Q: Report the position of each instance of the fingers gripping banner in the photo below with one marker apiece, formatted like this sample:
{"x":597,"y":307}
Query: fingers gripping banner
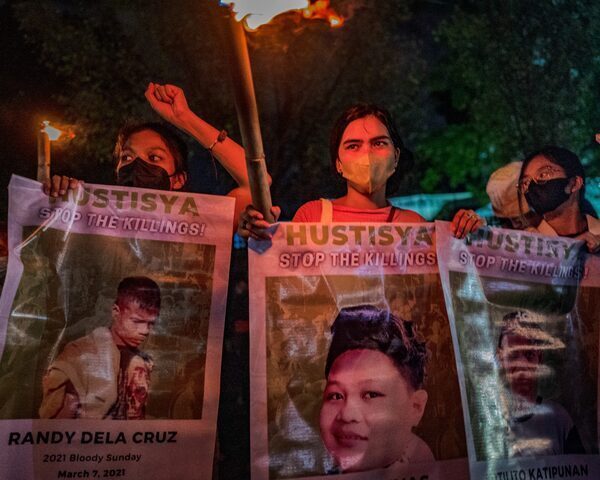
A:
{"x":352,"y":365}
{"x":113,"y":308}
{"x":524,"y":316}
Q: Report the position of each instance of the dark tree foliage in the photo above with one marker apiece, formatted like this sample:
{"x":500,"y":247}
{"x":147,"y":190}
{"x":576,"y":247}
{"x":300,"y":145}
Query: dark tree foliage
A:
{"x":509,"y":76}
{"x":104,"y":54}
{"x":305,"y":73}
{"x":519,"y":74}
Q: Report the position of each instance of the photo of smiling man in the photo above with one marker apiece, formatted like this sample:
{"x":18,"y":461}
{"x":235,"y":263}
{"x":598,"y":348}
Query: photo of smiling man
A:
{"x":374,"y":395}
{"x":104,"y":375}
{"x":360,"y":380}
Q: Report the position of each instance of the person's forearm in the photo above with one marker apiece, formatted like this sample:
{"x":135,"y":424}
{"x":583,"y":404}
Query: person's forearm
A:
{"x":229,"y":153}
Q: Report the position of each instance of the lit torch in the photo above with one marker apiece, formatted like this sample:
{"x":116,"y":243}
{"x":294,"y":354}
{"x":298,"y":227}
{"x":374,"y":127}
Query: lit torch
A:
{"x":46,"y":134}
{"x":254,"y":13}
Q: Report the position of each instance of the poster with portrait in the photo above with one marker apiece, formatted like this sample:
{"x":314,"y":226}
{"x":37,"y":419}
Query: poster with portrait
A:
{"x":351,"y":363}
{"x":113,"y":309}
{"x":524,"y":314}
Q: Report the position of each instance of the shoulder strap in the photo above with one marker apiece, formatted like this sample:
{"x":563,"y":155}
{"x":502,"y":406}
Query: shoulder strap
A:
{"x":326,"y":211}
{"x":392,"y":214}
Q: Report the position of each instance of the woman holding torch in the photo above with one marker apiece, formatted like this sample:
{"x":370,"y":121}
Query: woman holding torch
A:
{"x":366,"y":151}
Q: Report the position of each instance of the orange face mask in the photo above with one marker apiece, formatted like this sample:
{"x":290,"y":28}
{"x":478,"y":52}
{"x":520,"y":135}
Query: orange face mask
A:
{"x":368,"y":173}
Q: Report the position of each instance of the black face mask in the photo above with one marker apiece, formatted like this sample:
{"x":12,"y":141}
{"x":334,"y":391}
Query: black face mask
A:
{"x":143,"y":175}
{"x":547,"y":196}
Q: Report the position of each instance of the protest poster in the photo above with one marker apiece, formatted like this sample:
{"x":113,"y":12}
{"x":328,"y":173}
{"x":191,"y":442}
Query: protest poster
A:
{"x":113,"y":308}
{"x":524,"y":315}
{"x":324,"y":403}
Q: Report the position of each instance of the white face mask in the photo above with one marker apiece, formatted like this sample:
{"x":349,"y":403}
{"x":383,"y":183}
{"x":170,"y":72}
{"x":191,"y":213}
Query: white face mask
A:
{"x":369,"y":172}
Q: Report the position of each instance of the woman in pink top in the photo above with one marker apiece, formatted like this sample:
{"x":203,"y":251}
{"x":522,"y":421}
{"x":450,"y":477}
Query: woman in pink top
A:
{"x":365,"y":150}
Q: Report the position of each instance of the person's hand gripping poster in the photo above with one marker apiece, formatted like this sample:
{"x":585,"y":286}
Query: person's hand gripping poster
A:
{"x":112,"y":309}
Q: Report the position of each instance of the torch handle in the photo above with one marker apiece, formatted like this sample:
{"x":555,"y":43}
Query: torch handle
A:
{"x":259,"y":187}
{"x":43,"y":156}
{"x":247,"y":112}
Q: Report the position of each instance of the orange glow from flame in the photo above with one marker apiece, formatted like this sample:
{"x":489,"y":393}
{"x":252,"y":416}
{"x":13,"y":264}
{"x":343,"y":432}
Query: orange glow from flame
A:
{"x":320,"y":9}
{"x":255,"y":13}
{"x":52,"y":132}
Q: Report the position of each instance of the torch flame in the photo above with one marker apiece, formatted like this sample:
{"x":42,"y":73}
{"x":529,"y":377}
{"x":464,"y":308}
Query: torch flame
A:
{"x":52,"y":132}
{"x":320,"y":9}
{"x":259,"y":12}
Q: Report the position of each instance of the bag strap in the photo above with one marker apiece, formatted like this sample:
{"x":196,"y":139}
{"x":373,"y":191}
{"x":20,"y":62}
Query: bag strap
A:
{"x":326,"y":211}
{"x":392,"y":214}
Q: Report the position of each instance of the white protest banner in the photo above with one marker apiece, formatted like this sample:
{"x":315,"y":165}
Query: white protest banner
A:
{"x":113,"y":308}
{"x":351,"y":362}
{"x":524,"y":314}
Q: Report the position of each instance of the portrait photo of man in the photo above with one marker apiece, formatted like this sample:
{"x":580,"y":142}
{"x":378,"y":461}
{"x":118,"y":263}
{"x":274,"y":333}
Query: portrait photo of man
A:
{"x":105,"y":374}
{"x":374,"y":394}
{"x":535,"y":426}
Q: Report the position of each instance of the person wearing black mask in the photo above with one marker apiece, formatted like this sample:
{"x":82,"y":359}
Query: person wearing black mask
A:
{"x":552,"y":181}
{"x":151,"y":155}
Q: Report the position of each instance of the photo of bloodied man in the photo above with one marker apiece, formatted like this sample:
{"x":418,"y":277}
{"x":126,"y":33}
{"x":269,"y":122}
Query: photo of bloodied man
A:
{"x":535,"y":426}
{"x":104,"y":374}
{"x":374,"y":394}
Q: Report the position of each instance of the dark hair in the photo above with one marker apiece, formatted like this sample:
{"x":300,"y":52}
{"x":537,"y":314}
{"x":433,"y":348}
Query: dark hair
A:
{"x":142,"y":290}
{"x":561,"y":157}
{"x":361,"y":110}
{"x":366,"y":327}
{"x":522,"y":324}
{"x":176,"y":145}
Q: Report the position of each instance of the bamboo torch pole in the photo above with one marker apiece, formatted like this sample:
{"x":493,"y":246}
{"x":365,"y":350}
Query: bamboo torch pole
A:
{"x":247,"y":112}
{"x":43,"y":155}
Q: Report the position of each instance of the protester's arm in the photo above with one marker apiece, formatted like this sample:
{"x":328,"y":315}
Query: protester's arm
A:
{"x":253,"y":225}
{"x":170,"y":103}
{"x":466,"y":221}
{"x":59,"y":185}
